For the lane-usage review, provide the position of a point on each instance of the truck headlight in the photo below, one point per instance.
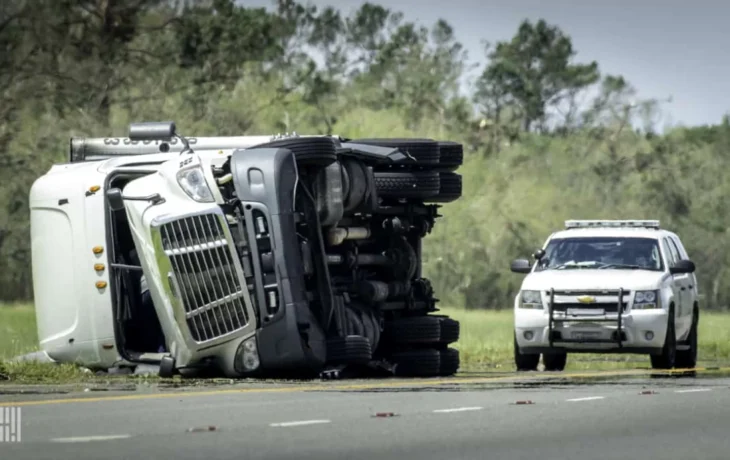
(247, 356)
(646, 300)
(192, 181)
(530, 299)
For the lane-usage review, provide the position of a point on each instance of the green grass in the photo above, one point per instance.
(486, 344)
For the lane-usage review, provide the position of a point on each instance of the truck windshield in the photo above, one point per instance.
(628, 253)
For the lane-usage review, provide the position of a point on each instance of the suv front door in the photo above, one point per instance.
(681, 282)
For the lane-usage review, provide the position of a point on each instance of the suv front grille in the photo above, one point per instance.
(210, 290)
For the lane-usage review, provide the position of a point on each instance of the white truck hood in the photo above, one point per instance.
(592, 279)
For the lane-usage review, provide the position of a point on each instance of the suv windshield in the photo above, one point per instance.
(602, 253)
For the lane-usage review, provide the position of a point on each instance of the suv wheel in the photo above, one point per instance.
(525, 362)
(687, 359)
(666, 359)
(555, 361)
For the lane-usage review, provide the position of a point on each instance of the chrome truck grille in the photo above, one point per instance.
(603, 300)
(206, 277)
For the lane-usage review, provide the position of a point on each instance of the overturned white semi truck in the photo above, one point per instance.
(249, 256)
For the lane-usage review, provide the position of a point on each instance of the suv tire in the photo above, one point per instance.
(667, 357)
(687, 359)
(525, 362)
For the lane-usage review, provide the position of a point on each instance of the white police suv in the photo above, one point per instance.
(607, 286)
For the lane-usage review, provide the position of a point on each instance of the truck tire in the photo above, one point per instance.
(423, 151)
(525, 362)
(668, 355)
(417, 363)
(308, 151)
(450, 362)
(554, 361)
(407, 184)
(414, 330)
(451, 155)
(348, 349)
(450, 188)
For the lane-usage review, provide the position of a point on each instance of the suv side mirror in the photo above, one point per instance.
(682, 266)
(539, 254)
(521, 266)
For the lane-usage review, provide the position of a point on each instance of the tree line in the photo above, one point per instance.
(535, 153)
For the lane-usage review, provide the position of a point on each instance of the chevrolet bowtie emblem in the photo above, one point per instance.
(587, 299)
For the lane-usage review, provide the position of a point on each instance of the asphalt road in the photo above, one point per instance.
(573, 418)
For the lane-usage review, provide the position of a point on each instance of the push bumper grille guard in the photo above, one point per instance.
(618, 336)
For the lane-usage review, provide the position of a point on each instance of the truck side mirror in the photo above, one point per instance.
(115, 199)
(521, 266)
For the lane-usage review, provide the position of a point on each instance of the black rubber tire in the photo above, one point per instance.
(687, 359)
(666, 359)
(407, 184)
(308, 151)
(450, 188)
(349, 349)
(450, 362)
(424, 151)
(451, 155)
(167, 367)
(450, 329)
(555, 361)
(414, 330)
(417, 363)
(525, 362)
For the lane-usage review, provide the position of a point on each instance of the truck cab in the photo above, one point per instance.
(246, 255)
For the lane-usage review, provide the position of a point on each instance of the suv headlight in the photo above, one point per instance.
(192, 181)
(646, 300)
(531, 299)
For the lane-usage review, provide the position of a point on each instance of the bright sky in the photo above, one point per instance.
(676, 48)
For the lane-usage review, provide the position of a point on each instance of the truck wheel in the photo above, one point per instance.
(687, 359)
(407, 184)
(554, 361)
(452, 155)
(668, 355)
(423, 151)
(309, 151)
(525, 362)
(348, 349)
(450, 188)
(450, 362)
(418, 329)
(167, 367)
(417, 363)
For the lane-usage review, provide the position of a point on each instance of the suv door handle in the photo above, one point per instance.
(690, 286)
(682, 288)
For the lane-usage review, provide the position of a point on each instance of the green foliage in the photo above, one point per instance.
(533, 156)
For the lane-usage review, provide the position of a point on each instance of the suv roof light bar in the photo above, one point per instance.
(612, 224)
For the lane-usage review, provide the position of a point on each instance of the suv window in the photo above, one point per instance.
(602, 252)
(673, 250)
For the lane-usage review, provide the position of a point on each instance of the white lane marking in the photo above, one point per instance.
(693, 390)
(300, 423)
(92, 438)
(587, 398)
(457, 409)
